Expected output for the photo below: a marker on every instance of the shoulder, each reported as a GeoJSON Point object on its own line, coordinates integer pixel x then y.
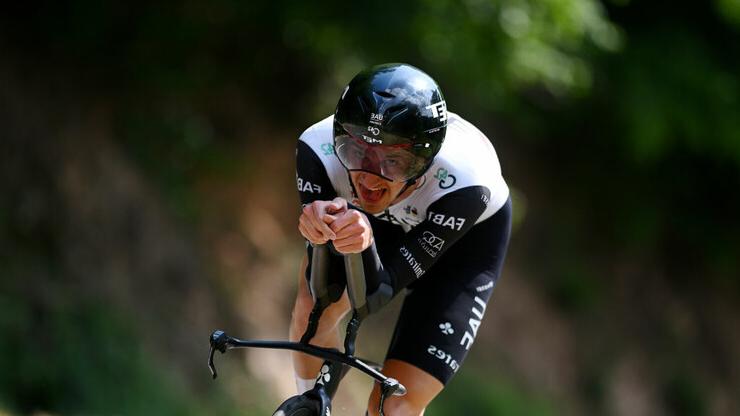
{"type": "Point", "coordinates": [319, 136]}
{"type": "Point", "coordinates": [465, 146]}
{"type": "Point", "coordinates": [467, 160]}
{"type": "Point", "coordinates": [316, 142]}
{"type": "Point", "coordinates": [316, 148]}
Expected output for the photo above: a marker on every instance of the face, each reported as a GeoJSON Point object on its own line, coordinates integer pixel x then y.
{"type": "Point", "coordinates": [375, 193]}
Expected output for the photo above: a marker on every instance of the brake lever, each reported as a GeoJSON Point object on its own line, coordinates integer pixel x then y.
{"type": "Point", "coordinates": [212, 366]}
{"type": "Point", "coordinates": [218, 341]}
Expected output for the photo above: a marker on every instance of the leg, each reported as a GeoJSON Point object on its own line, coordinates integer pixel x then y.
{"type": "Point", "coordinates": [441, 316]}
{"type": "Point", "coordinates": [327, 335]}
{"type": "Point", "coordinates": [422, 388]}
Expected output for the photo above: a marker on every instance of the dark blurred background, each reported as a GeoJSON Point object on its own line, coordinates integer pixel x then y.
{"type": "Point", "coordinates": [147, 197]}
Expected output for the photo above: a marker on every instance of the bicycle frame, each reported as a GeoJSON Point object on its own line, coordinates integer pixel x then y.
{"type": "Point", "coordinates": [325, 387]}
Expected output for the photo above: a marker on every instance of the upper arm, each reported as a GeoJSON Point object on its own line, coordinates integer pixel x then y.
{"type": "Point", "coordinates": [312, 180]}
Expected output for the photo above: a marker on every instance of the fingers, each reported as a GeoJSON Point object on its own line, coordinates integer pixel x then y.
{"type": "Point", "coordinates": [319, 211]}
{"type": "Point", "coordinates": [351, 244]}
{"type": "Point", "coordinates": [322, 221]}
{"type": "Point", "coordinates": [337, 205]}
{"type": "Point", "coordinates": [344, 220]}
{"type": "Point", "coordinates": [355, 243]}
{"type": "Point", "coordinates": [354, 233]}
{"type": "Point", "coordinates": [313, 214]}
{"type": "Point", "coordinates": [350, 229]}
{"type": "Point", "coordinates": [309, 232]}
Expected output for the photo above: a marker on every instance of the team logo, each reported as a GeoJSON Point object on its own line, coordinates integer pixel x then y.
{"type": "Point", "coordinates": [439, 110]}
{"type": "Point", "coordinates": [409, 210]}
{"type": "Point", "coordinates": [415, 265]}
{"type": "Point", "coordinates": [454, 223]}
{"type": "Point", "coordinates": [474, 322]}
{"type": "Point", "coordinates": [324, 375]}
{"type": "Point", "coordinates": [445, 357]}
{"type": "Point", "coordinates": [446, 180]}
{"type": "Point", "coordinates": [327, 148]}
{"type": "Point", "coordinates": [431, 243]}
{"type": "Point", "coordinates": [306, 186]}
{"type": "Point", "coordinates": [446, 328]}
{"type": "Point", "coordinates": [485, 287]}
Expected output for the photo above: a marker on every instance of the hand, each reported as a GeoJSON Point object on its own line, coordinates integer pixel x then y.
{"type": "Point", "coordinates": [316, 217]}
{"type": "Point", "coordinates": [353, 232]}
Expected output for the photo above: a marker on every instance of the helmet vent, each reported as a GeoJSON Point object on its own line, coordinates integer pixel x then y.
{"type": "Point", "coordinates": [384, 94]}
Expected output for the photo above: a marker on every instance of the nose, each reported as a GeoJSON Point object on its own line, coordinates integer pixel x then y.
{"type": "Point", "coordinates": [371, 161]}
{"type": "Point", "coordinates": [369, 181]}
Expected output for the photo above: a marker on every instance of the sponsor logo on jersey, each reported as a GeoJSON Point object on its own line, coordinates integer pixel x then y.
{"type": "Point", "coordinates": [473, 323]}
{"type": "Point", "coordinates": [485, 287]}
{"type": "Point", "coordinates": [409, 210]}
{"type": "Point", "coordinates": [485, 199]}
{"type": "Point", "coordinates": [439, 110]}
{"type": "Point", "coordinates": [306, 186]}
{"type": "Point", "coordinates": [449, 221]}
{"type": "Point", "coordinates": [446, 180]}
{"type": "Point", "coordinates": [447, 358]}
{"type": "Point", "coordinates": [327, 148]}
{"type": "Point", "coordinates": [415, 265]}
{"type": "Point", "coordinates": [374, 130]}
{"type": "Point", "coordinates": [446, 328]}
{"type": "Point", "coordinates": [431, 243]}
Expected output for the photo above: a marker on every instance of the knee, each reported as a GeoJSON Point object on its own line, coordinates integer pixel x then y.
{"type": "Point", "coordinates": [330, 317]}
{"type": "Point", "coordinates": [301, 310]}
{"type": "Point", "coordinates": [393, 406]}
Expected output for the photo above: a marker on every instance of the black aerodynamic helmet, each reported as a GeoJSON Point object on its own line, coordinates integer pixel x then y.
{"type": "Point", "coordinates": [390, 121]}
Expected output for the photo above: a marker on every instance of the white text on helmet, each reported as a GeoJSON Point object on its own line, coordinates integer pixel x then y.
{"type": "Point", "coordinates": [439, 110]}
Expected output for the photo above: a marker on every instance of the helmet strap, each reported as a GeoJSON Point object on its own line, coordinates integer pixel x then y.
{"type": "Point", "coordinates": [407, 185]}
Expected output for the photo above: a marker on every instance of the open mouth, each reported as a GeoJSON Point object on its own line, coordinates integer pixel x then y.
{"type": "Point", "coordinates": [371, 195]}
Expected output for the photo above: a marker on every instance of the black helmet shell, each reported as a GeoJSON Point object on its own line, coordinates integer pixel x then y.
{"type": "Point", "coordinates": [394, 104]}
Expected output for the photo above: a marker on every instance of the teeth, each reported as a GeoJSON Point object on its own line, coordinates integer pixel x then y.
{"type": "Point", "coordinates": [371, 189]}
{"type": "Point", "coordinates": [372, 194]}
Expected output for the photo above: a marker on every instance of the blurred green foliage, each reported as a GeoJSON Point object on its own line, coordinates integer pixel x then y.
{"type": "Point", "coordinates": [473, 393]}
{"type": "Point", "coordinates": [616, 123]}
{"type": "Point", "coordinates": [81, 359]}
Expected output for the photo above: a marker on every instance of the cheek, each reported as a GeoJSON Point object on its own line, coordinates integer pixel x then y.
{"type": "Point", "coordinates": [396, 188]}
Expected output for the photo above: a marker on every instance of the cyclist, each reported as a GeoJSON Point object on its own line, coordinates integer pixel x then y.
{"type": "Point", "coordinates": [418, 191]}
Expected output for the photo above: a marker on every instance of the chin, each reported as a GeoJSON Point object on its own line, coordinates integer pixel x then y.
{"type": "Point", "coordinates": [373, 208]}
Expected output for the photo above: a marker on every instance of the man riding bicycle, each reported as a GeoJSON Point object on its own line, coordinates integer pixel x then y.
{"type": "Point", "coordinates": [418, 192]}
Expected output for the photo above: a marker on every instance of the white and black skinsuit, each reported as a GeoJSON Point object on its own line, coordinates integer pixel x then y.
{"type": "Point", "coordinates": [445, 242]}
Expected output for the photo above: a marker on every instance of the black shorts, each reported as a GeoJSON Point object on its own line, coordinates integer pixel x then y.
{"type": "Point", "coordinates": [443, 310]}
